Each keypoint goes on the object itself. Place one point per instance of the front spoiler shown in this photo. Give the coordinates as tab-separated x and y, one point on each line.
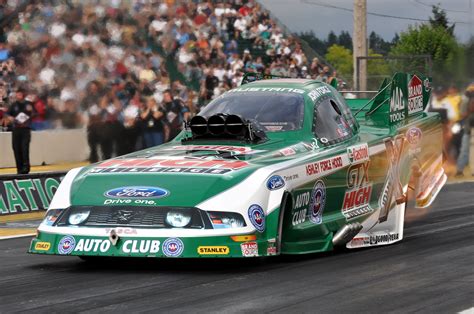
158	247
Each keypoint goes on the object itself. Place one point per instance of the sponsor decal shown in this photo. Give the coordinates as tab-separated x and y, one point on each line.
173	247
271	247
213	250
317	202
392	189
287	151
358	153
291	177
383	238
249	249
324	166
360	241
300	208
92	245
266	89
414	136
121	231
25	195
257	217
187	165
357	197
141	246
237	150
66	245
42	246
397	106
275	182
133	192
427	85
415	95
318	92
120	201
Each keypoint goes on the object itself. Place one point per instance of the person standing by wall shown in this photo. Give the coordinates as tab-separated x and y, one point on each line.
152	120
176	113
21	113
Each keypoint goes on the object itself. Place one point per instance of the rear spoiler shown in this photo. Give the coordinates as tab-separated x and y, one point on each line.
404	96
250	77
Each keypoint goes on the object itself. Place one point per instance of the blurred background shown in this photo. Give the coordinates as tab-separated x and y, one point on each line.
106	78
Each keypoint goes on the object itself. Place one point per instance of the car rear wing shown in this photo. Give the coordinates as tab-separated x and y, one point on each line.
404	96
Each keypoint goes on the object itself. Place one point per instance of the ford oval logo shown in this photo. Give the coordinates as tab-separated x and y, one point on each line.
137	192
275	182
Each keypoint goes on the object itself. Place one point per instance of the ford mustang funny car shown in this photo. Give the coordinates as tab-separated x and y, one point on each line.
280	166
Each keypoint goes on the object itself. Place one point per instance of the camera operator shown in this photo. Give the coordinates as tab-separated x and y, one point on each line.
21	113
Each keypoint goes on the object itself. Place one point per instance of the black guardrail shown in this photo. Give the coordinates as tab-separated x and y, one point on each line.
28	192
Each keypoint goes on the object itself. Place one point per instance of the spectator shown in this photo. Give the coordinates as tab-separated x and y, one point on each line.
152	117
21	113
176	113
39	121
466	154
131	126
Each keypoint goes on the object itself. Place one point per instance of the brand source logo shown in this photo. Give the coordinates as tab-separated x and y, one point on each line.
257	217
249	249
275	182
173	247
137	192
66	245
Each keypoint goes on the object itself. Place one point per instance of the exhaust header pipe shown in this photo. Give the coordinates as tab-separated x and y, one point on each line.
346	233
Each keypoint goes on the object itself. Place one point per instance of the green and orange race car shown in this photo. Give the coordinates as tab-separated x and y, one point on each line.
281	166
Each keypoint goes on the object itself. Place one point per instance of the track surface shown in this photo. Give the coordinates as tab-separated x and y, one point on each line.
431	270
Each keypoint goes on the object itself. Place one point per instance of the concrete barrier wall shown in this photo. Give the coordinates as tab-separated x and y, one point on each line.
48	147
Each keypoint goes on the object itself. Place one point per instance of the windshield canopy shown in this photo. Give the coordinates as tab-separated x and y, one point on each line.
274	111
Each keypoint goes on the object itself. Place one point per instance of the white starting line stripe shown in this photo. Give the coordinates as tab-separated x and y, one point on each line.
468	311
17	236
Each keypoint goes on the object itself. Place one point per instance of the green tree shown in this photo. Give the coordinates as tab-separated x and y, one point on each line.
447	55
314	42
440	19
345	40
332	39
341	59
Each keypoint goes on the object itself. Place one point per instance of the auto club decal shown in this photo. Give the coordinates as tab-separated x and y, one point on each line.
257	217
357	197
317	202
66	245
173	247
392	189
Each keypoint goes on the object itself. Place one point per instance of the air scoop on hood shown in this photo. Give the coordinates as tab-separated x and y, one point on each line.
225	126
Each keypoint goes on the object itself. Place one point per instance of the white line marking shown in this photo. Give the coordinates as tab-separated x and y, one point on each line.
468	311
17	236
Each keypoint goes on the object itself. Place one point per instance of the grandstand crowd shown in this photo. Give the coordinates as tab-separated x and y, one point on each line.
132	71
135	70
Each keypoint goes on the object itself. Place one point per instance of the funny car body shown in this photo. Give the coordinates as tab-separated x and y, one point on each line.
280	166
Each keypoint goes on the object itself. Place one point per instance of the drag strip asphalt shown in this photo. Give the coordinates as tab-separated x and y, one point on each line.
431	270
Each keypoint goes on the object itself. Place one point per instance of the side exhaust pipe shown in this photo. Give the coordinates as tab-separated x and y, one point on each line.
346	233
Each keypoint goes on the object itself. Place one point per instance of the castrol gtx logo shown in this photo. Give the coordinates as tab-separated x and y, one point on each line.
133	192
